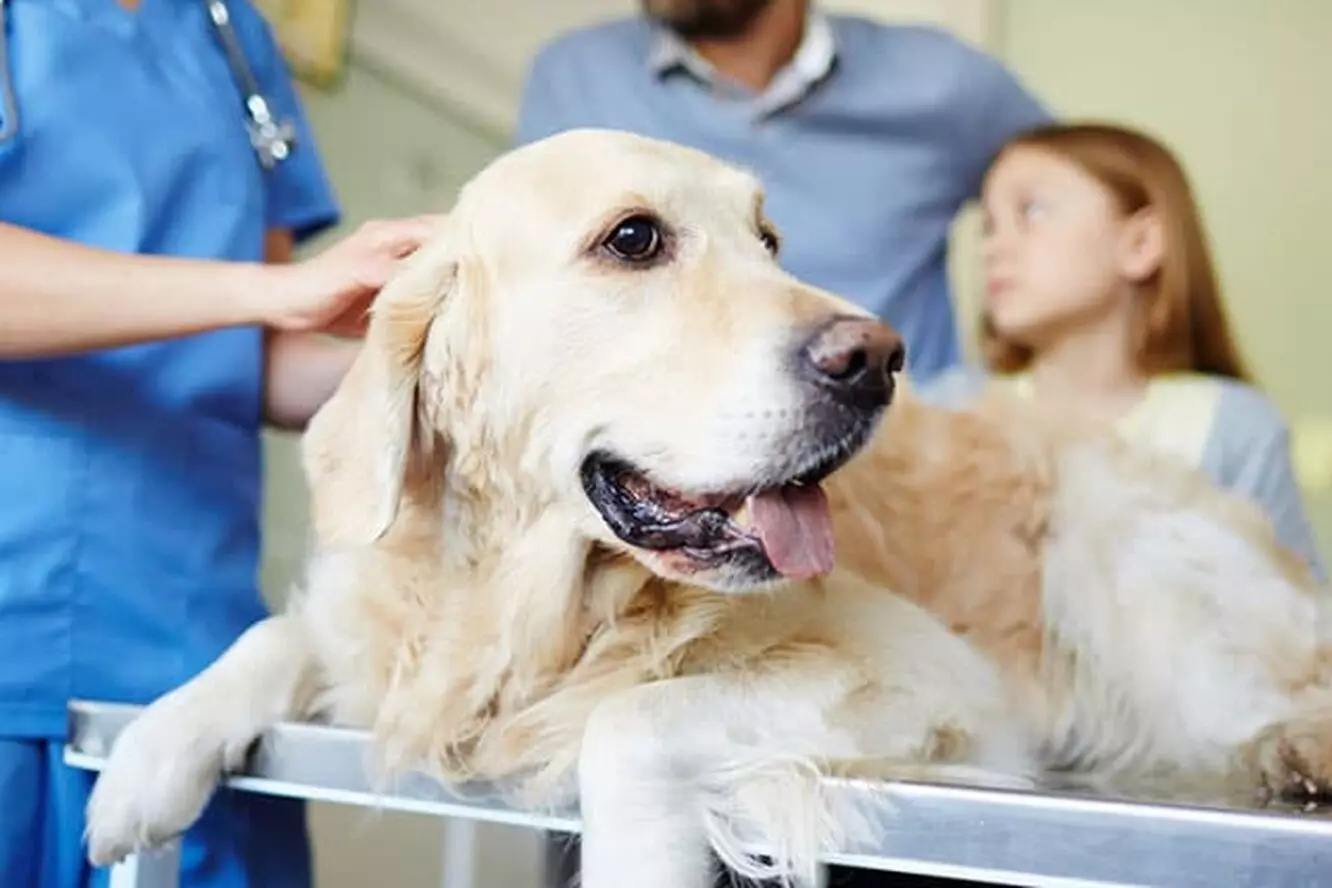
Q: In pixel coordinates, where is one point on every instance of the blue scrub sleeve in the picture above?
(299, 194)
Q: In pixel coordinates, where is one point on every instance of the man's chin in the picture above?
(706, 19)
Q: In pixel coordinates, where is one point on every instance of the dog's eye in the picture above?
(636, 239)
(770, 240)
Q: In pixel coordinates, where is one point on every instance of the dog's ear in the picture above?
(357, 447)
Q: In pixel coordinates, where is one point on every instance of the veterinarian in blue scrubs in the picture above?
(132, 390)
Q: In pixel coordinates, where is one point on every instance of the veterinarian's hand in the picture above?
(331, 292)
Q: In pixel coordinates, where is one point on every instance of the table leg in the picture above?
(562, 859)
(460, 854)
(152, 869)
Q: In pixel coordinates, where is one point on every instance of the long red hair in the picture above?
(1182, 323)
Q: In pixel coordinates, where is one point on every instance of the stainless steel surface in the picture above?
(997, 836)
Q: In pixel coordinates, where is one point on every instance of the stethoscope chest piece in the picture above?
(9, 115)
(273, 139)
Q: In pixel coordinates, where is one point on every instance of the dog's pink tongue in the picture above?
(795, 527)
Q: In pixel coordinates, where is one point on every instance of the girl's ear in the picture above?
(1142, 245)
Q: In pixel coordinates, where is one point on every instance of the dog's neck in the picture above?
(545, 592)
(531, 625)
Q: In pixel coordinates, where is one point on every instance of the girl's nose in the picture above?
(992, 246)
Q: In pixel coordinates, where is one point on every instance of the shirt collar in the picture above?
(812, 62)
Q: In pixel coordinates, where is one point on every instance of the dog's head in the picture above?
(602, 329)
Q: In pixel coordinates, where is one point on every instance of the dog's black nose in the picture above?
(853, 359)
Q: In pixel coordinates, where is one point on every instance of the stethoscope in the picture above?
(272, 138)
(8, 106)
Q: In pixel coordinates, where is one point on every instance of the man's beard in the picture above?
(706, 19)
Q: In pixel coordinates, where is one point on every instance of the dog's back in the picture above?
(1148, 624)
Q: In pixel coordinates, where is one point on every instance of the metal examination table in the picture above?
(995, 836)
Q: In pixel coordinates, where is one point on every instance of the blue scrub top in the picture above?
(130, 478)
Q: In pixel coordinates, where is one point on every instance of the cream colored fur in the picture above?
(1011, 594)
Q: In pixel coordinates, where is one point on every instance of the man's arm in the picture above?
(301, 370)
(542, 109)
(1000, 107)
(59, 297)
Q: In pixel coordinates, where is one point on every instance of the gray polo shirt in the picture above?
(868, 142)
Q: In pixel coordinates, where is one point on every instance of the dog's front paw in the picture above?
(160, 774)
(1293, 759)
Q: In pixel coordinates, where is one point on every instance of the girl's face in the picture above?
(1060, 256)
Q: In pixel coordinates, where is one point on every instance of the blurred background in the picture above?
(1239, 88)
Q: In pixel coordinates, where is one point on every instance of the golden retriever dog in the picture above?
(611, 509)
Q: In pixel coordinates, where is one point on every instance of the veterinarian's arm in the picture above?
(301, 371)
(59, 297)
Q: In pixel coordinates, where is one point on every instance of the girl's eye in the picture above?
(1033, 209)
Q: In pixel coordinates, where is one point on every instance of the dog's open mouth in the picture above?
(788, 523)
